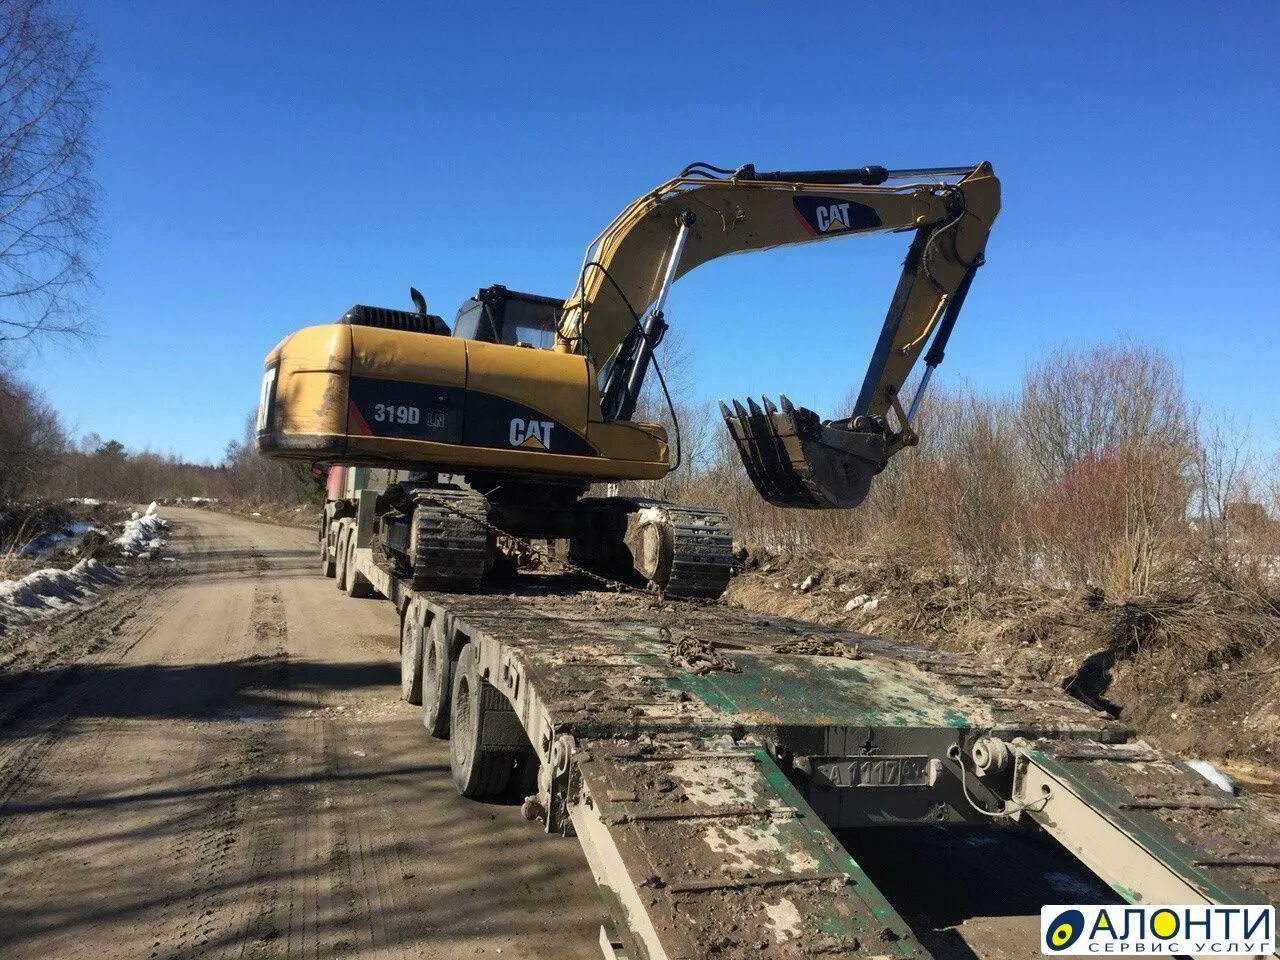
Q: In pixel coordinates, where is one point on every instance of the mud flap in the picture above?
(796, 460)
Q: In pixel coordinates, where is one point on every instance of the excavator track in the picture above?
(449, 544)
(682, 551)
(702, 552)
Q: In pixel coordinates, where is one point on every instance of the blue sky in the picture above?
(267, 165)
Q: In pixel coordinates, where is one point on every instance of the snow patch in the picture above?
(1213, 775)
(44, 593)
(143, 533)
(66, 537)
(863, 602)
(650, 515)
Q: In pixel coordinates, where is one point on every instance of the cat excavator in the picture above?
(499, 427)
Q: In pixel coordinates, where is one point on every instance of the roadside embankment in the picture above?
(56, 558)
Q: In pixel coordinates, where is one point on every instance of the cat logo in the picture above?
(826, 215)
(535, 434)
(833, 217)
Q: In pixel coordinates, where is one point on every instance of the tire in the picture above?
(411, 653)
(354, 584)
(477, 773)
(328, 565)
(437, 681)
(340, 561)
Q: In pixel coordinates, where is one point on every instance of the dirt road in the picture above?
(217, 764)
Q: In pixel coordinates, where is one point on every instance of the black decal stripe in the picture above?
(859, 215)
(455, 415)
(440, 409)
(489, 418)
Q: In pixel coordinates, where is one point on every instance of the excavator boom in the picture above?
(614, 315)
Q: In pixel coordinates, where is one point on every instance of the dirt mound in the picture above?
(1195, 666)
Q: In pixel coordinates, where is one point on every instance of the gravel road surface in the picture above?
(216, 763)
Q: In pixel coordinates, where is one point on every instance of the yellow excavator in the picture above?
(502, 425)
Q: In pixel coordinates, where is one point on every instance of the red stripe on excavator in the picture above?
(355, 420)
(804, 223)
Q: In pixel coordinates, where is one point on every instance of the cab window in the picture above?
(531, 323)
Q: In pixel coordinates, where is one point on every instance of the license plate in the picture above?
(873, 771)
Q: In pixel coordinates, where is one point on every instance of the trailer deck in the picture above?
(702, 755)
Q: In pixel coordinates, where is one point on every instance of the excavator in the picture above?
(498, 428)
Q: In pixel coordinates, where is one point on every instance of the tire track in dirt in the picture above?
(232, 774)
(235, 845)
(39, 711)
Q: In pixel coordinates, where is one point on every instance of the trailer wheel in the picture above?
(478, 771)
(411, 653)
(436, 681)
(355, 584)
(340, 554)
(328, 565)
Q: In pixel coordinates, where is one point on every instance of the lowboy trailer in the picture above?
(703, 755)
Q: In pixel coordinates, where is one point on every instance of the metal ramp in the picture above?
(706, 853)
(1149, 825)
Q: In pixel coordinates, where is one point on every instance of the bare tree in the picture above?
(1085, 405)
(48, 197)
(673, 366)
(258, 479)
(1112, 436)
(31, 439)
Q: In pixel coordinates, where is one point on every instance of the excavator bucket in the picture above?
(797, 460)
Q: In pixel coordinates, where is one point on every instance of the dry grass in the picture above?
(17, 533)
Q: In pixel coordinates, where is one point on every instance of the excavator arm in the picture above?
(615, 315)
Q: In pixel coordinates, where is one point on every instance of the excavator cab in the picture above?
(498, 315)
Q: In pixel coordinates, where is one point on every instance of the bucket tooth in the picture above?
(790, 469)
(787, 406)
(738, 423)
(760, 447)
(769, 408)
(766, 465)
(773, 461)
